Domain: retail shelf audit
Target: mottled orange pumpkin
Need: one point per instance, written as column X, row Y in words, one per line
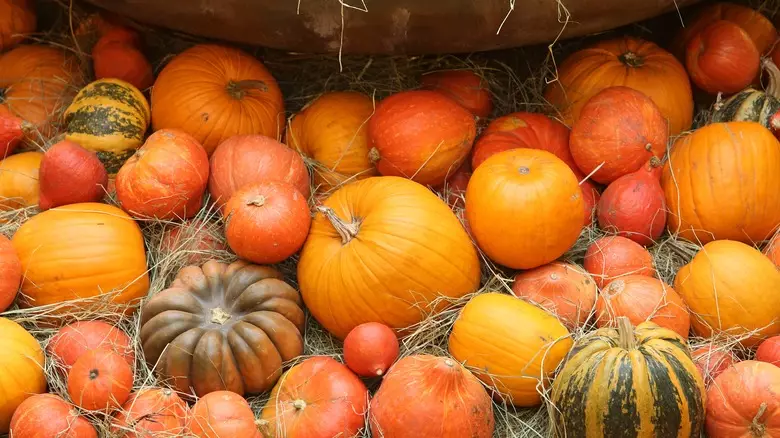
column 19, row 186
column 76, row 339
column 17, row 18
column 48, row 415
column 612, row 257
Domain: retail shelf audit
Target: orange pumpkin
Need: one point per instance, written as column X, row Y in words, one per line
column 706, row 170
column 151, row 413
column 772, row 249
column 70, row 174
column 453, row 191
column 48, row 415
column 22, row 361
column 17, row 18
column 524, row 208
column 711, row 362
column 383, row 250
column 769, row 351
column 421, row 135
column 77, row 339
column 370, row 349
column 12, row 132
column 215, row 92
column 722, row 58
column 10, row 273
column 629, row 62
column 19, row 187
column 614, row 257
column 332, row 132
column 463, row 86
column 222, row 414
column 100, row 380
column 199, row 241
column 112, row 58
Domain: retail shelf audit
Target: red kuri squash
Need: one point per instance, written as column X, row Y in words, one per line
column 100, row 380
column 463, row 86
column 222, row 414
column 711, row 362
column 613, row 257
column 117, row 54
column 10, row 273
column 722, row 58
column 151, row 413
column 70, row 174
column 76, row 339
column 370, row 349
column 12, row 132
column 48, row 415
column 769, row 351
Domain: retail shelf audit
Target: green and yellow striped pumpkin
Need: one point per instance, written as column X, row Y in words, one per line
column 109, row 117
column 629, row 383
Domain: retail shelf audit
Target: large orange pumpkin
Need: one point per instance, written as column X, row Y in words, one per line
column 19, row 186
column 48, row 415
column 332, row 132
column 81, row 251
column 707, row 171
column 10, row 273
column 214, row 92
column 524, row 208
column 630, row 62
column 382, row 250
column 17, row 18
column 22, row 364
column 725, row 286
column 151, row 413
column 222, row 414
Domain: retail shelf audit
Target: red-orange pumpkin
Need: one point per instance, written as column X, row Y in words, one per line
column 222, row 414
column 48, row 415
column 711, row 362
column 17, row 18
column 722, row 58
column 590, row 199
column 70, row 174
column 166, row 178
column 769, row 351
column 10, row 273
column 75, row 340
column 100, row 380
column 199, row 239
column 370, row 349
column 463, row 86
column 772, row 249
column 151, row 413
column 421, row 135
column 454, row 189
column 12, row 132
column 114, row 57
column 613, row 257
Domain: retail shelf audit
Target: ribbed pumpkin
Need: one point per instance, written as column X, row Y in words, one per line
column 215, row 92
column 48, row 415
column 81, row 251
column 630, row 383
column 17, row 18
column 332, row 132
column 382, row 250
column 524, row 208
column 10, row 273
column 463, row 86
column 19, row 187
column 754, row 104
column 511, row 345
column 706, row 170
column 22, row 364
column 151, row 413
column 629, row 62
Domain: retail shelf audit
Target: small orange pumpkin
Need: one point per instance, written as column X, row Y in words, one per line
column 222, row 414
column 19, row 187
column 463, row 86
column 711, row 362
column 17, row 18
column 118, row 59
column 769, row 351
column 70, row 174
column 772, row 249
column 150, row 413
column 48, row 415
column 370, row 349
column 10, row 273
column 722, row 58
column 614, row 257
column 77, row 339
column 100, row 380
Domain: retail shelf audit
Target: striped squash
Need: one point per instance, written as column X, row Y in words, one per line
column 752, row 105
column 621, row 382
column 109, row 117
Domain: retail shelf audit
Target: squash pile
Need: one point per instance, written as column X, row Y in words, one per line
column 389, row 213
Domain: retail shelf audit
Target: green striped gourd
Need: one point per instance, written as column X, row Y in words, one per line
column 752, row 105
column 629, row 383
column 109, row 117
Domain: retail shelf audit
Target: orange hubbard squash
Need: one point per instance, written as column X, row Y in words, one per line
column 70, row 174
column 19, row 186
column 100, row 380
column 114, row 57
column 463, row 86
column 722, row 58
column 48, row 415
column 17, row 18
column 22, row 361
column 10, row 273
column 370, row 349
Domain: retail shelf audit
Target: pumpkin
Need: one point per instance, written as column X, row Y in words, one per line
column 611, row 257
column 590, row 199
column 115, row 57
column 619, row 130
column 189, row 331
column 12, row 132
column 434, row 397
column 100, row 380
column 22, row 361
column 524, row 208
column 317, row 398
column 222, row 414
column 752, row 105
column 332, row 132
column 744, row 401
column 166, row 178
column 421, row 135
column 247, row 159
column 712, row 362
column 196, row 240
column 149, row 413
column 80, row 251
column 769, row 351
column 723, row 287
column 70, row 174
column 18, row 18
column 48, row 415
column 562, row 289
column 722, row 58
column 628, row 62
column 370, row 349
column 267, row 222
column 465, row 87
column 646, row 385
column 772, row 249
column 76, row 339
column 510, row 360
column 19, row 186
column 214, row 92
column 10, row 273
column 109, row 117
column 453, row 191
column 383, row 249
column 714, row 160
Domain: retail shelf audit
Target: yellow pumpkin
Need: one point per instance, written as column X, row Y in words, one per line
column 21, row 369
column 510, row 345
column 19, row 180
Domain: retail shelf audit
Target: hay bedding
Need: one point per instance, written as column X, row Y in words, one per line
column 516, row 77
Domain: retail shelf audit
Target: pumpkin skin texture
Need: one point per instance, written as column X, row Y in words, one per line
column 628, row 62
column 199, row 239
column 165, row 179
column 646, row 385
column 421, row 135
column 19, row 186
column 612, row 257
column 332, row 131
column 711, row 362
column 187, row 332
column 744, row 402
column 76, row 339
column 563, row 289
column 384, row 243
column 769, row 351
column 22, row 365
column 722, row 58
column 10, row 273
column 100, row 380
column 150, row 413
column 464, row 87
column 317, row 398
column 12, row 132
column 114, row 57
column 370, row 349
column 486, row 337
column 247, row 159
column 48, row 415
column 721, row 287
column 222, row 414
column 18, row 18
column 232, row 94
column 720, row 153
column 70, row 174
column 432, row 396
column 50, row 246
column 505, row 186
column 267, row 222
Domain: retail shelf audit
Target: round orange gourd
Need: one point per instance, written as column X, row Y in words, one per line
column 76, row 339
column 22, row 364
column 214, row 92
column 100, row 380
column 370, row 349
column 10, row 273
column 724, row 288
column 48, row 415
column 463, row 86
column 612, row 257
column 70, row 174
column 711, row 362
column 706, row 170
column 151, row 413
column 332, row 131
column 19, row 187
column 17, row 18
column 629, row 62
column 222, row 414
column 524, row 208
column 722, row 58
column 382, row 250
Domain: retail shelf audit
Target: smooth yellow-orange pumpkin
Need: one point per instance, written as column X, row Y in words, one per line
column 19, row 185
column 17, row 18
column 331, row 132
column 81, row 251
column 510, row 345
column 731, row 288
column 382, row 250
column 721, row 182
column 21, row 369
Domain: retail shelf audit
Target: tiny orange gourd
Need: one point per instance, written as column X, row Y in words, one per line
column 100, row 380
column 370, row 349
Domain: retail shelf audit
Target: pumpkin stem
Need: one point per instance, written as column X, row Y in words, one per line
column 449, row 362
column 257, row 202
column 655, row 162
column 94, row 374
column 631, row 59
column 758, row 429
column 299, row 404
column 374, row 156
column 625, row 333
column 524, row 170
column 773, row 72
column 219, row 316
column 263, row 427
column 239, row 89
column 347, row 231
